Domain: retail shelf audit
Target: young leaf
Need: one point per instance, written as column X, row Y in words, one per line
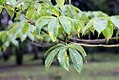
column 100, row 25
column 25, row 28
column 66, row 24
column 53, row 29
column 108, row 32
column 50, row 58
column 63, row 59
column 76, row 59
column 115, row 20
column 60, row 3
column 2, row 1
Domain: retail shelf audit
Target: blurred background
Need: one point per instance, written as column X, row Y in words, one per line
column 27, row 61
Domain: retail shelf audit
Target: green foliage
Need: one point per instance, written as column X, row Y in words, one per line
column 39, row 20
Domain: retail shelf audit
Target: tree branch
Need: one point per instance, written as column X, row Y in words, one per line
column 97, row 45
column 94, row 41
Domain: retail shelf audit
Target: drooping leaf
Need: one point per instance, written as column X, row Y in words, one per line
column 55, row 11
column 3, row 35
column 60, row 3
column 66, row 24
column 100, row 25
column 38, row 7
column 63, row 59
column 53, row 29
column 31, row 36
column 76, row 59
column 10, row 10
column 115, row 20
column 108, row 32
column 41, row 23
column 50, row 58
column 78, row 25
column 88, row 25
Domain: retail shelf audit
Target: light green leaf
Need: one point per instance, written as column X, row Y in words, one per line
column 100, row 25
column 3, row 36
column 78, row 25
column 15, row 42
column 1, row 7
column 63, row 59
column 25, row 28
column 12, row 2
column 76, row 59
column 50, row 58
column 31, row 36
column 41, row 23
column 55, row 11
column 88, row 25
column 60, row 3
column 115, row 20
column 10, row 10
column 38, row 7
column 2, row 1
column 66, row 24
column 53, row 29
column 108, row 32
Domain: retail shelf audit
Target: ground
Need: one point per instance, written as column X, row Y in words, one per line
column 106, row 68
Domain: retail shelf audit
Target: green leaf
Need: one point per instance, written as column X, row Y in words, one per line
column 81, row 50
column 63, row 59
column 25, row 28
column 23, row 37
column 55, row 11
column 1, row 7
column 3, row 35
column 31, row 36
column 15, row 42
column 10, row 10
column 2, row 1
column 38, row 7
column 88, row 25
column 78, row 25
column 50, row 58
column 12, row 2
column 100, row 25
column 53, row 29
column 41, row 23
column 60, row 3
column 66, row 24
column 30, row 12
column 115, row 20
column 108, row 32
column 76, row 59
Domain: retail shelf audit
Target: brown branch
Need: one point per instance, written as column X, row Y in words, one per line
column 93, row 41
column 97, row 45
column 42, row 44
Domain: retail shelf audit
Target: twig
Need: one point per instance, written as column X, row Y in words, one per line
column 93, row 41
column 97, row 45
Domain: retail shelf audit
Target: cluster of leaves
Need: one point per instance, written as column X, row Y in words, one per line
column 40, row 20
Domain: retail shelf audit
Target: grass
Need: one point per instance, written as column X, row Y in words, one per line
column 32, row 70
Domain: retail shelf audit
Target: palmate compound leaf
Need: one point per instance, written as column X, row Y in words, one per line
column 115, row 20
column 99, row 25
column 76, row 59
column 50, row 57
column 53, row 28
column 66, row 24
column 63, row 59
column 108, row 31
